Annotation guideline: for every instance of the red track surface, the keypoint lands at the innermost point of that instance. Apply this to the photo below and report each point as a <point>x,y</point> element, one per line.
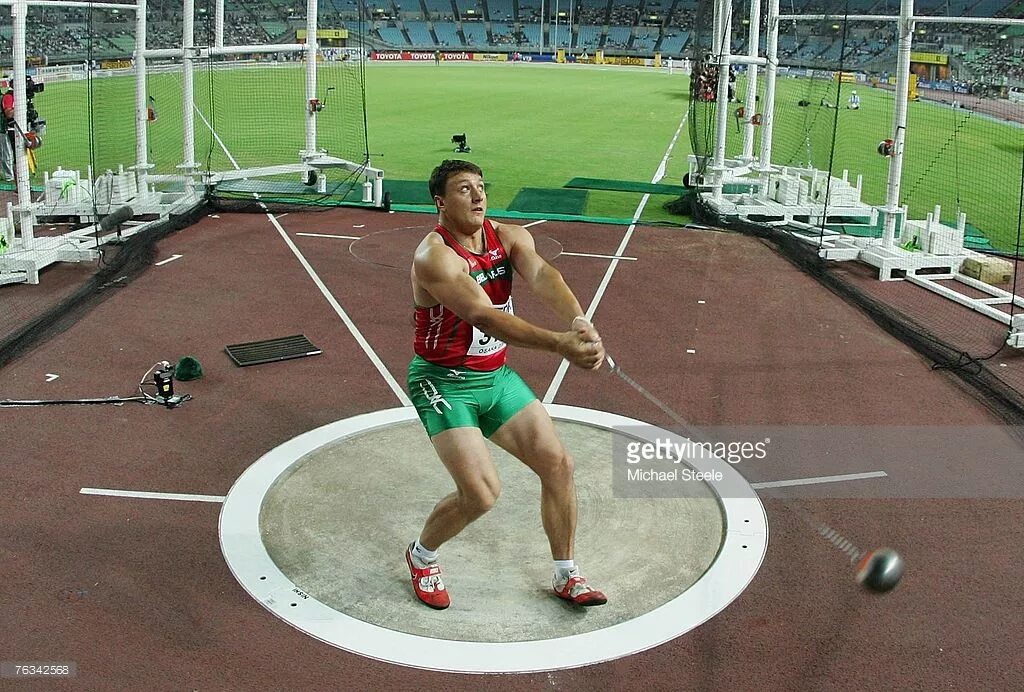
<point>137,593</point>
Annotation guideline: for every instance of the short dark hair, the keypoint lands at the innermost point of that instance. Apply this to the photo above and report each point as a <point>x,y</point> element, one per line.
<point>448,168</point>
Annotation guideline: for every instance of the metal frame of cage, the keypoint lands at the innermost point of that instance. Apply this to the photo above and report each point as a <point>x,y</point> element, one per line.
<point>26,253</point>
<point>926,269</point>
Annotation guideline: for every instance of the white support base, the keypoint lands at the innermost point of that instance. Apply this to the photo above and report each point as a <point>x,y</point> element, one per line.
<point>749,207</point>
<point>984,306</point>
<point>22,264</point>
<point>926,270</point>
<point>781,196</point>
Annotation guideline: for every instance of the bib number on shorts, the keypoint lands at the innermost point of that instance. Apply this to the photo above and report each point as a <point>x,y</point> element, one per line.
<point>484,345</point>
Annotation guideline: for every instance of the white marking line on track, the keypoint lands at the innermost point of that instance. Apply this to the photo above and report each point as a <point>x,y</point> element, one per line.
<point>168,260</point>
<point>815,480</point>
<point>144,495</point>
<point>363,343</point>
<point>534,223</point>
<point>587,254</point>
<point>328,235</point>
<point>563,367</point>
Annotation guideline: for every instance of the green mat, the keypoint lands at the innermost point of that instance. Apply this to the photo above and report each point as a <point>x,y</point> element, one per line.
<point>649,188</point>
<point>625,186</point>
<point>550,201</point>
<point>402,191</point>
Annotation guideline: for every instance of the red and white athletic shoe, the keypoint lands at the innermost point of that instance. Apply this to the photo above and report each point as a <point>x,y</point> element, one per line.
<point>576,590</point>
<point>427,584</point>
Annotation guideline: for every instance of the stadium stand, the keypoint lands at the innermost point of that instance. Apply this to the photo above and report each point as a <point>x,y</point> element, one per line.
<point>392,36</point>
<point>439,10</point>
<point>531,34</point>
<point>500,10</point>
<point>978,53</point>
<point>475,33</point>
<point>617,38</point>
<point>419,34</point>
<point>447,35</point>
<point>645,40</point>
<point>589,37</point>
<point>672,43</point>
<point>502,34</point>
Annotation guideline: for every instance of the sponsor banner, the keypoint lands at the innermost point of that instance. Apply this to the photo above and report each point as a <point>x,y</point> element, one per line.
<point>115,64</point>
<point>929,58</point>
<point>386,55</point>
<point>625,60</point>
<point>300,34</point>
<point>420,56</point>
<point>943,85</point>
<point>491,57</point>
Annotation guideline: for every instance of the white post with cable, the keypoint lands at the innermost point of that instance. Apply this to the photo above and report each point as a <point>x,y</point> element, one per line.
<point>218,24</point>
<point>750,100</point>
<point>188,163</point>
<point>142,164</point>
<point>26,219</point>
<point>311,102</point>
<point>723,8</point>
<point>892,196</point>
<point>768,109</point>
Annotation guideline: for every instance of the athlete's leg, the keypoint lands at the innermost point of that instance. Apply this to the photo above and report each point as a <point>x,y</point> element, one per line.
<point>464,453</point>
<point>530,436</point>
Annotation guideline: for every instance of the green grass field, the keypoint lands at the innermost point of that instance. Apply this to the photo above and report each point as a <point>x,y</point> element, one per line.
<point>540,126</point>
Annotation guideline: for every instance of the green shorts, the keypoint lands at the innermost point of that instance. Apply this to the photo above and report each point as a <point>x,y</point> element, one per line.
<point>448,398</point>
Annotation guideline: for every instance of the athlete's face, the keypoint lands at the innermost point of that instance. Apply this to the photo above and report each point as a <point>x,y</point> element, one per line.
<point>464,202</point>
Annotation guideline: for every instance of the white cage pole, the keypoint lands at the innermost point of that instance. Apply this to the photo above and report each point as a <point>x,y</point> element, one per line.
<point>141,105</point>
<point>311,45</point>
<point>218,24</point>
<point>18,11</point>
<point>542,27</point>
<point>723,8</point>
<point>750,100</point>
<point>188,86</point>
<point>768,108</point>
<point>892,197</point>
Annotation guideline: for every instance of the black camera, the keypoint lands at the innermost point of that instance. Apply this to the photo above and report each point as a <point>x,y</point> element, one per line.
<point>32,88</point>
<point>31,114</point>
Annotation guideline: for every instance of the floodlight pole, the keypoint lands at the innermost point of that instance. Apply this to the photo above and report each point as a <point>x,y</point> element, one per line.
<point>311,45</point>
<point>905,27</point>
<point>768,109</point>
<point>750,100</point>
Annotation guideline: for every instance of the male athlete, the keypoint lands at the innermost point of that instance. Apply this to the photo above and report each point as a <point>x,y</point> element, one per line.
<point>462,285</point>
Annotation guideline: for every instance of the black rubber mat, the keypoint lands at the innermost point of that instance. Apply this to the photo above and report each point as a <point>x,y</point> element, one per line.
<point>271,350</point>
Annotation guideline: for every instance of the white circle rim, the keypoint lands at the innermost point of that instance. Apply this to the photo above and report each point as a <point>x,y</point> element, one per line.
<point>744,544</point>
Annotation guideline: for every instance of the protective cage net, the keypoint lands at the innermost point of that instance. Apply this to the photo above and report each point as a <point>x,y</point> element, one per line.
<point>252,111</point>
<point>84,113</point>
<point>249,111</point>
<point>964,152</point>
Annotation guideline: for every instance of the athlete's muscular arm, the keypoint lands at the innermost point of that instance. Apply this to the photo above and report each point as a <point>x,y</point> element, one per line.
<point>547,282</point>
<point>541,277</point>
<point>445,276</point>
